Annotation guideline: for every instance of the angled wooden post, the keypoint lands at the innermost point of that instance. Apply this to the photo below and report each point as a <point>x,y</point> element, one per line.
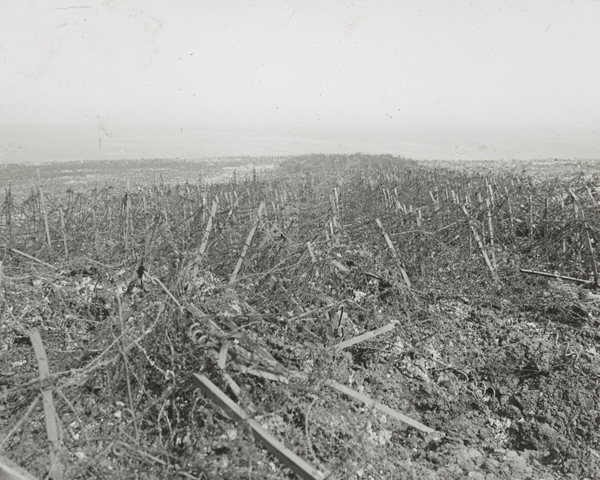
<point>56,466</point>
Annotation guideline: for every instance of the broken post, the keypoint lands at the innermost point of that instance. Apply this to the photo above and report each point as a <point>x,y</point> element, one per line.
<point>292,461</point>
<point>56,467</point>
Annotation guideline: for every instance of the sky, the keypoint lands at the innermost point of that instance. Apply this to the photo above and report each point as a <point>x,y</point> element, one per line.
<point>444,79</point>
<point>317,62</point>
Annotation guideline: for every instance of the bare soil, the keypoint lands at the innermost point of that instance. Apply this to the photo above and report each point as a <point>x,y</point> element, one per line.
<point>504,366</point>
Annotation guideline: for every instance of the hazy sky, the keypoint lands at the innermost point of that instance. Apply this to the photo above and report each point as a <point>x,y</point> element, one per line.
<point>317,62</point>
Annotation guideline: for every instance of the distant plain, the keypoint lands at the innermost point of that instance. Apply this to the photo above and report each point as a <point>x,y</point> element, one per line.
<point>77,156</point>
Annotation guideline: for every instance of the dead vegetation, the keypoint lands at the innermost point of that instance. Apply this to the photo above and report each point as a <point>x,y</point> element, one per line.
<point>360,317</point>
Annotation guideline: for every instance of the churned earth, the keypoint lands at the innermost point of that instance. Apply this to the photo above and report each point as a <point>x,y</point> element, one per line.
<point>503,365</point>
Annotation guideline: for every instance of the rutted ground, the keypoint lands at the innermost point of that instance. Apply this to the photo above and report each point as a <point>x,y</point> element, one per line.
<point>503,366</point>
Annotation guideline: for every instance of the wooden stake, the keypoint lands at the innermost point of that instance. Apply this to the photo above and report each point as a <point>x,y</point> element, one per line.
<point>109,214</point>
<point>510,213</point>
<point>274,446</point>
<point>95,223</point>
<point>9,206</point>
<point>480,244</point>
<point>331,229</point>
<point>552,275</point>
<point>491,191</point>
<point>126,229</point>
<point>491,230</point>
<point>394,253</point>
<point>223,354</point>
<point>591,249</point>
<point>433,199</point>
<point>545,218</point>
<point>311,252</point>
<point>208,229</point>
<point>379,406</point>
<point>9,470</point>
<point>33,258</point>
<point>313,258</point>
<point>261,207</point>
<point>530,215</point>
<point>591,196</point>
<point>337,200</point>
<point>365,336</point>
<point>45,214</point>
<point>64,230</point>
<point>56,466</point>
<point>342,268</point>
